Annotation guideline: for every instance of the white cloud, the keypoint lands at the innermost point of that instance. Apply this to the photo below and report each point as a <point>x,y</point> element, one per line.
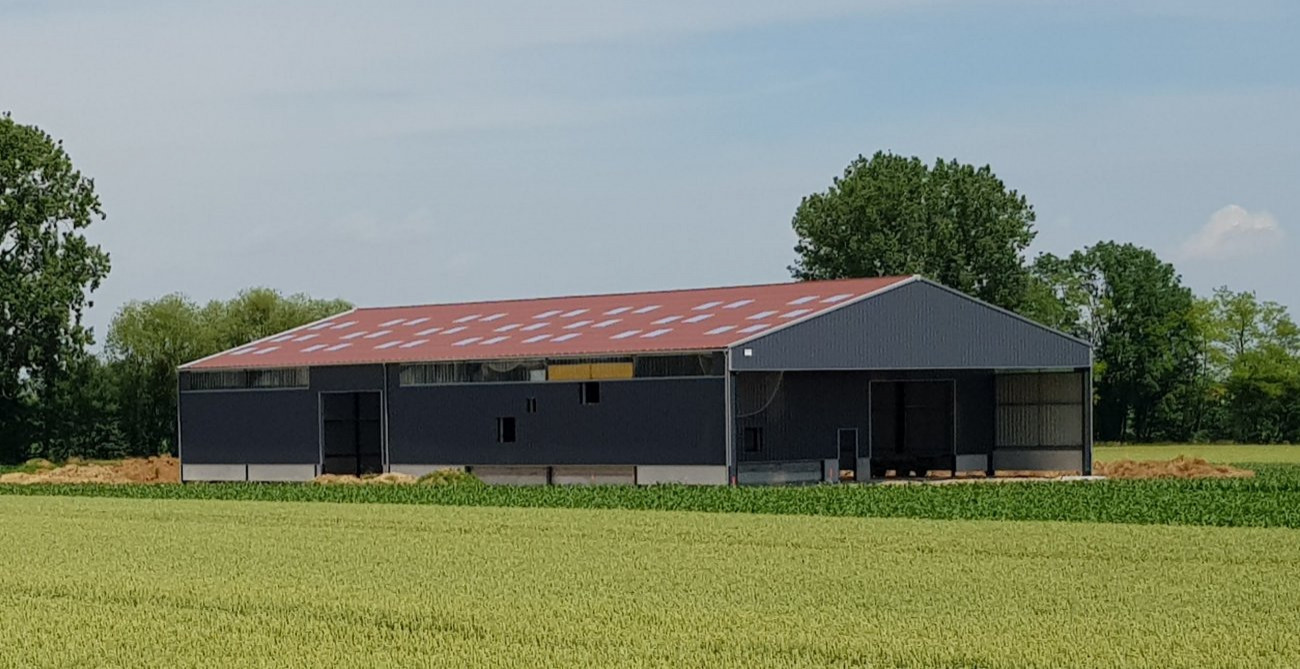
<point>1233,232</point>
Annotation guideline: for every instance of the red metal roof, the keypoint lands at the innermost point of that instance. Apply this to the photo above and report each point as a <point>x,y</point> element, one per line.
<point>679,320</point>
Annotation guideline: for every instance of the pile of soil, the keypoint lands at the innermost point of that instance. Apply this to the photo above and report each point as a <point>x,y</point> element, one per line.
<point>391,478</point>
<point>160,469</point>
<point>1181,467</point>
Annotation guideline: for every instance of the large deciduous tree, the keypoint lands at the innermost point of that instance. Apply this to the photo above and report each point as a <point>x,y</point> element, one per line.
<point>1134,309</point>
<point>891,215</point>
<point>47,269</point>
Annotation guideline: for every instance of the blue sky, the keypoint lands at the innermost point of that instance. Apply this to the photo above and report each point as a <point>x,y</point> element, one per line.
<point>412,152</point>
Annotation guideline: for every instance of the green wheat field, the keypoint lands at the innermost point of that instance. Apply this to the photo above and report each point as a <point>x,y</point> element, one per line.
<point>92,581</point>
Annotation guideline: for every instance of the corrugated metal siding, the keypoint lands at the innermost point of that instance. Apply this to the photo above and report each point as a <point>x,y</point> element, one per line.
<point>1040,410</point>
<point>803,417</point>
<point>913,326</point>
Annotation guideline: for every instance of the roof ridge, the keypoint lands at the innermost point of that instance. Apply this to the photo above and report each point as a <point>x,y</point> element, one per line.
<point>898,277</point>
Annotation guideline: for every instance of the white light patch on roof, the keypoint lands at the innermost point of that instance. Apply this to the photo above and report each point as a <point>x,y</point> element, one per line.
<point>344,324</point>
<point>738,304</point>
<point>378,333</point>
<point>707,305</point>
<point>388,324</point>
<point>321,326</point>
<point>697,319</point>
<point>413,344</point>
<point>458,328</point>
<point>536,338</point>
<point>417,321</point>
<point>466,319</point>
<point>804,300</point>
<point>388,344</point>
<point>339,347</point>
<point>761,314</point>
<point>466,341</point>
<point>493,340</point>
<point>493,317</point>
<point>567,337</point>
<point>242,351</point>
<point>625,334</point>
<point>534,326</point>
<point>607,323</point>
<point>720,330</point>
<point>575,312</point>
<point>753,328</point>
<point>796,313</point>
<point>353,335</point>
<point>667,319</point>
<point>507,327</point>
<point>577,324</point>
<point>266,350</point>
<point>837,298</point>
<point>429,331</point>
<point>282,338</point>
<point>617,311</point>
<point>307,336</point>
<point>655,333</point>
<point>547,314</point>
<point>646,310</point>
<point>313,347</point>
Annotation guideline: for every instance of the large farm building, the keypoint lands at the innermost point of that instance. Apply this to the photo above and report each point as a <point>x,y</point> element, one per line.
<point>793,382</point>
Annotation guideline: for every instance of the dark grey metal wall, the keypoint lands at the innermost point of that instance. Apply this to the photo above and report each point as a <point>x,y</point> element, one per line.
<point>804,417</point>
<point>919,325</point>
<point>645,421</point>
<point>272,426</point>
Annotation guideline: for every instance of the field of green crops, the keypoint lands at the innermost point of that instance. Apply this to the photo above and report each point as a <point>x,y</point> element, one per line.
<point>1229,453</point>
<point>185,583</point>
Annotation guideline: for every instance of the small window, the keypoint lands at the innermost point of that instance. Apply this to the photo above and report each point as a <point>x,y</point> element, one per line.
<point>506,430</point>
<point>530,405</point>
<point>753,439</point>
<point>589,393</point>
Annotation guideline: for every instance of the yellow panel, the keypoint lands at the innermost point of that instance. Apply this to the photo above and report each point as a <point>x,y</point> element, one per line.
<point>611,370</point>
<point>568,372</point>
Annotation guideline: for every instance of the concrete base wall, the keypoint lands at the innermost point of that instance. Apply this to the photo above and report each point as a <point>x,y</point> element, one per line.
<point>420,470</point>
<point>575,475</point>
<point>778,473</point>
<point>505,475</point>
<point>686,474</point>
<point>972,463</point>
<point>281,472</point>
<point>1070,459</point>
<point>214,472</point>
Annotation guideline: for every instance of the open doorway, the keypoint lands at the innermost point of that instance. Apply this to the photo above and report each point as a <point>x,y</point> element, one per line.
<point>351,433</point>
<point>848,451</point>
<point>913,427</point>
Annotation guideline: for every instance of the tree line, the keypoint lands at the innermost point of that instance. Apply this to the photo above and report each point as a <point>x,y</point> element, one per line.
<point>1169,365</point>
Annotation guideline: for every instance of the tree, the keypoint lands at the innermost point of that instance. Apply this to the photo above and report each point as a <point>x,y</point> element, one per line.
<point>47,268</point>
<point>1138,315</point>
<point>890,215</point>
<point>148,340</point>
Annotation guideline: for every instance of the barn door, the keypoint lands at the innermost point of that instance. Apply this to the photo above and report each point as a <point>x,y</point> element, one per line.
<point>351,433</point>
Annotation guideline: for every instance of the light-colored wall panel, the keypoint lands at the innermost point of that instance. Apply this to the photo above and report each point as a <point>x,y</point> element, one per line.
<point>214,472</point>
<point>593,475</point>
<point>420,470</point>
<point>687,474</point>
<point>775,473</point>
<point>1018,425</point>
<point>511,475</point>
<point>1039,459</point>
<point>1061,388</point>
<point>1063,425</point>
<point>281,472</point>
<point>972,463</point>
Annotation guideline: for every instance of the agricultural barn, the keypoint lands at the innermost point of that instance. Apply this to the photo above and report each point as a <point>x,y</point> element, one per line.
<point>793,382</point>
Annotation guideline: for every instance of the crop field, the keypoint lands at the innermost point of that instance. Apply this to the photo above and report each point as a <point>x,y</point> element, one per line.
<point>1226,453</point>
<point>188,583</point>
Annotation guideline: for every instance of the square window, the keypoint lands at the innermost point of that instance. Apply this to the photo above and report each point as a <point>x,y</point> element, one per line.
<point>589,393</point>
<point>753,439</point>
<point>506,430</point>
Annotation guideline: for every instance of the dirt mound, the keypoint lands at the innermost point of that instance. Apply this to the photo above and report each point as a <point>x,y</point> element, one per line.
<point>161,469</point>
<point>1181,467</point>
<point>391,478</point>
